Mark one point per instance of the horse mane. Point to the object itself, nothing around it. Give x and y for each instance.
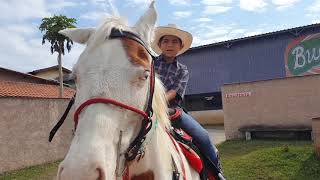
(159, 104)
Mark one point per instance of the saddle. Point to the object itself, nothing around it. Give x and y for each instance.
(197, 160)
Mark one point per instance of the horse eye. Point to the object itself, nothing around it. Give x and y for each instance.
(146, 74)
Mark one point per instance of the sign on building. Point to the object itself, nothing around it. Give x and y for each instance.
(238, 94)
(302, 56)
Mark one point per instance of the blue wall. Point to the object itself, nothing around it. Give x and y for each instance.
(253, 59)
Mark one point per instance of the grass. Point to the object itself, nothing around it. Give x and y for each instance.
(41, 172)
(269, 160)
(241, 160)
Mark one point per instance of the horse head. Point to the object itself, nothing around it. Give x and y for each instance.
(112, 66)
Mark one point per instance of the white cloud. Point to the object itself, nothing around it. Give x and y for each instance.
(211, 33)
(198, 40)
(216, 9)
(20, 45)
(97, 1)
(237, 32)
(64, 4)
(94, 15)
(284, 4)
(21, 53)
(216, 2)
(203, 19)
(108, 5)
(215, 32)
(182, 14)
(140, 3)
(254, 32)
(312, 11)
(315, 21)
(205, 33)
(15, 10)
(256, 5)
(314, 7)
(101, 1)
(216, 6)
(179, 2)
(23, 29)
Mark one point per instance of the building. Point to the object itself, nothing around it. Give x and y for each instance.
(28, 113)
(30, 106)
(52, 73)
(248, 63)
(11, 75)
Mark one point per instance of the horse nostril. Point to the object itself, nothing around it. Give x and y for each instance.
(101, 174)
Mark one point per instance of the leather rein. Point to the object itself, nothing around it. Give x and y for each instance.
(135, 147)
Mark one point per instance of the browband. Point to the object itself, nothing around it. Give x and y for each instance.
(116, 33)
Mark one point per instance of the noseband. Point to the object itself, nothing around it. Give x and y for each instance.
(134, 148)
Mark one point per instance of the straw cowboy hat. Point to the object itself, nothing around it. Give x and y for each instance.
(173, 30)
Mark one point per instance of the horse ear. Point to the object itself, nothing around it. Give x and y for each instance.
(146, 23)
(78, 35)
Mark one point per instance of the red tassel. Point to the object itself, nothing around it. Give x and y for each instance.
(126, 174)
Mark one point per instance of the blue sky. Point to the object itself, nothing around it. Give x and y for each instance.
(208, 20)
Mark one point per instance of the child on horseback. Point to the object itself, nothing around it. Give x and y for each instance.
(169, 42)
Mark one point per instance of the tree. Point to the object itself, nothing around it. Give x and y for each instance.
(51, 27)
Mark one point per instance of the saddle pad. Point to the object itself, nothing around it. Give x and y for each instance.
(192, 157)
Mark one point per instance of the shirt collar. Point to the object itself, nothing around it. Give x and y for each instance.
(175, 62)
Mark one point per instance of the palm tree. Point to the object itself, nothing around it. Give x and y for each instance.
(51, 27)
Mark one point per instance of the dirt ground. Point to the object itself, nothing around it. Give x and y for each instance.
(216, 133)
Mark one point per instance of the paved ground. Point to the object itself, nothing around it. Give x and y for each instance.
(216, 133)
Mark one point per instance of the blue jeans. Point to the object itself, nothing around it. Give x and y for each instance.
(200, 136)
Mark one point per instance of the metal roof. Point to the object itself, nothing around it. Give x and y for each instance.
(295, 31)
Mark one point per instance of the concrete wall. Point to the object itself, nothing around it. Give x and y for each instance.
(208, 117)
(281, 102)
(25, 124)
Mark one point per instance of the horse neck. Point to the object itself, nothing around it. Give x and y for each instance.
(157, 157)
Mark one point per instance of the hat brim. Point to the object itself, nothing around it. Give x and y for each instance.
(185, 37)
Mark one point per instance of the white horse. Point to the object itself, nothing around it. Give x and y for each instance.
(119, 69)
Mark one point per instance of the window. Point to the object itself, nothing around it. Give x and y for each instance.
(200, 102)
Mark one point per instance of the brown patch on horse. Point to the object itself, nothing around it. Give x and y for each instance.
(144, 176)
(137, 53)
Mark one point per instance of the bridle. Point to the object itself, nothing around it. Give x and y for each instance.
(135, 147)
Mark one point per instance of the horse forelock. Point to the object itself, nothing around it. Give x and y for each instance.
(103, 31)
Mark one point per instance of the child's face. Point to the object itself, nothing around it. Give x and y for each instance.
(170, 46)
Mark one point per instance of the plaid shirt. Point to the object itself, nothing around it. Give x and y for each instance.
(174, 76)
